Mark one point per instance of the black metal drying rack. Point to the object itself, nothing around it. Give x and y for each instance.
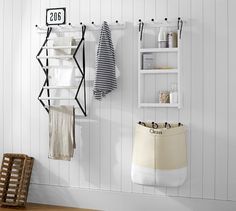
(81, 69)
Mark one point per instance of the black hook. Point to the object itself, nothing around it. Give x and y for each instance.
(180, 27)
(166, 124)
(154, 125)
(141, 24)
(142, 123)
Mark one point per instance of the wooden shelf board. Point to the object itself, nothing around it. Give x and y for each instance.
(158, 50)
(160, 105)
(159, 71)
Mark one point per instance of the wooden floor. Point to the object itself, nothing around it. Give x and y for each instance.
(40, 207)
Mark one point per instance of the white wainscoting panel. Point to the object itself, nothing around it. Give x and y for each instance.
(104, 138)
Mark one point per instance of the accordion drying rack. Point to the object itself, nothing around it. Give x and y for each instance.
(45, 65)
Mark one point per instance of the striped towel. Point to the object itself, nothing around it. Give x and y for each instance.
(105, 80)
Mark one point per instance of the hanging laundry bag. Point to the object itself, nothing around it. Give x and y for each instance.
(159, 155)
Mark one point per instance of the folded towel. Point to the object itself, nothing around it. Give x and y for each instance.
(61, 132)
(63, 41)
(63, 77)
(105, 80)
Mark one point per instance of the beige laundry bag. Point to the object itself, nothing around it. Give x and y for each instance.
(160, 155)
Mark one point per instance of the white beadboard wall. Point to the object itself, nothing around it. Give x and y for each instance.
(104, 139)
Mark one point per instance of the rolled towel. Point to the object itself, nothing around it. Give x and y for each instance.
(105, 80)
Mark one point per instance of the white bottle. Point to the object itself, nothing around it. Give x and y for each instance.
(162, 38)
(174, 94)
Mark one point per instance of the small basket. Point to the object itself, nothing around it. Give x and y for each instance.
(15, 179)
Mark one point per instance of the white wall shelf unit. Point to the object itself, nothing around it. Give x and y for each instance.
(162, 70)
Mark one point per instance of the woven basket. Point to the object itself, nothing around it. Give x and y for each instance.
(15, 179)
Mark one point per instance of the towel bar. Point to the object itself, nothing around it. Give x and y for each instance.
(59, 47)
(52, 67)
(56, 57)
(60, 87)
(55, 98)
(75, 107)
(52, 38)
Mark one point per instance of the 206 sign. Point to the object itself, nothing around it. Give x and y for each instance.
(55, 16)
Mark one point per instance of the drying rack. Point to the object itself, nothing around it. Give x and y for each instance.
(46, 86)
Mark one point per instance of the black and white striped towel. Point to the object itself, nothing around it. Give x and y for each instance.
(105, 80)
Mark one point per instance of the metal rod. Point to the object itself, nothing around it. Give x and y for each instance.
(85, 104)
(75, 107)
(74, 55)
(55, 98)
(55, 57)
(47, 79)
(60, 47)
(60, 87)
(54, 66)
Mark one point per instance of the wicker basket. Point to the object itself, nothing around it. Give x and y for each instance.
(15, 179)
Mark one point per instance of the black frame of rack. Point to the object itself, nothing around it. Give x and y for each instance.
(81, 70)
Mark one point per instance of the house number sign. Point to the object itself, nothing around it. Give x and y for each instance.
(55, 16)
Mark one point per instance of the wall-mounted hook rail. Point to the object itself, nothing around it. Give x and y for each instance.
(161, 23)
(93, 26)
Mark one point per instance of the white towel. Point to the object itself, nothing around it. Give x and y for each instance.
(63, 77)
(63, 41)
(61, 132)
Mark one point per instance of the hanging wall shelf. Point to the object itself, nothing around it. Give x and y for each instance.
(161, 64)
(45, 63)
